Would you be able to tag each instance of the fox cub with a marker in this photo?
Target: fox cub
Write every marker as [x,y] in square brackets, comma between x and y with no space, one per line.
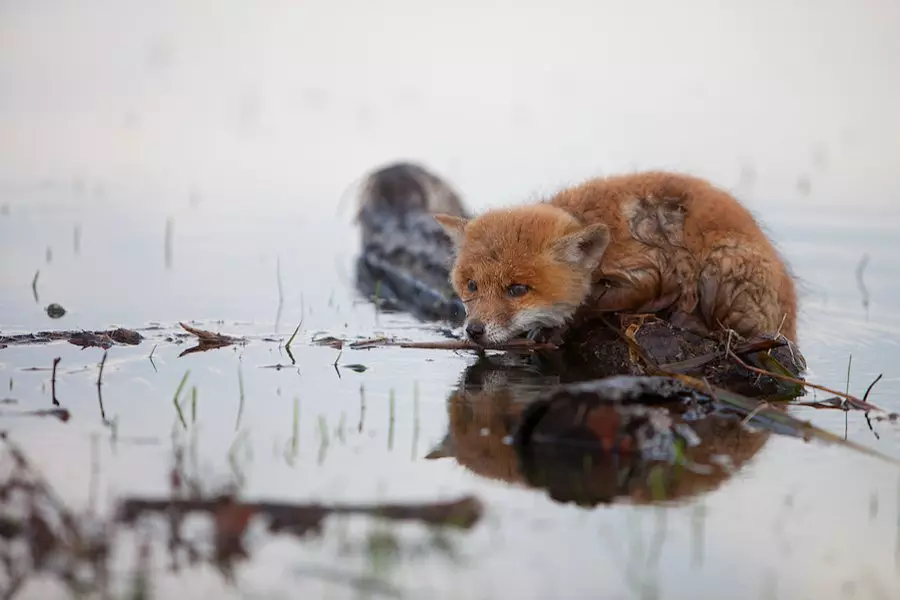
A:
[637,243]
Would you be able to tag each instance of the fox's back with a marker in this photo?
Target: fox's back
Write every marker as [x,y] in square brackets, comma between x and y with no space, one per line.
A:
[710,213]
[678,238]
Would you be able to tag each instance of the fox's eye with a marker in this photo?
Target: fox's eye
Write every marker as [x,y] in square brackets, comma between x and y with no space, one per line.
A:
[517,289]
[473,287]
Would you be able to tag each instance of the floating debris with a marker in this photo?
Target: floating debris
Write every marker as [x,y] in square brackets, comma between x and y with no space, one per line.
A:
[54,310]
[328,340]
[207,340]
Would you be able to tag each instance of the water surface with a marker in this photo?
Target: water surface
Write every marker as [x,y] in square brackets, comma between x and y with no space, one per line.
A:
[241,132]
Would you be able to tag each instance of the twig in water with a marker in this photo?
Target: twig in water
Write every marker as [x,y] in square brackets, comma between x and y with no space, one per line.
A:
[99,385]
[175,399]
[295,429]
[462,513]
[53,382]
[167,242]
[237,423]
[761,406]
[370,343]
[335,364]
[844,402]
[34,286]
[460,345]
[362,408]
[862,284]
[871,385]
[849,363]
[853,401]
[393,402]
[865,398]
[102,363]
[415,442]
[280,292]
[153,364]
[95,476]
[287,347]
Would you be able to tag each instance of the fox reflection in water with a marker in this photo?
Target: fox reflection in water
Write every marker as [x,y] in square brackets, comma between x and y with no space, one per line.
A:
[595,442]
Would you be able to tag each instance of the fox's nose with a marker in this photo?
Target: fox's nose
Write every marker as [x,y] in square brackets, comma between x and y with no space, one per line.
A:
[475,330]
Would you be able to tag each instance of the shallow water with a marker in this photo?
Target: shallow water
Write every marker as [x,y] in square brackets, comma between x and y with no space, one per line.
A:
[250,167]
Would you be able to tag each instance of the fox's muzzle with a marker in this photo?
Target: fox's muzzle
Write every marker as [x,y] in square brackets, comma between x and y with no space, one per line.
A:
[475,331]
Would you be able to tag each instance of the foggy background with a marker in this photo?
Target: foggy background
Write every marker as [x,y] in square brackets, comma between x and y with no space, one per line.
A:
[786,102]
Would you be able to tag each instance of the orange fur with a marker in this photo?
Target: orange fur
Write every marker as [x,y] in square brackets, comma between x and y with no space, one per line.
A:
[643,242]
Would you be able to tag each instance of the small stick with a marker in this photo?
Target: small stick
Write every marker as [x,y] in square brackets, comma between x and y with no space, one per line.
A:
[100,383]
[335,363]
[290,341]
[864,292]
[852,400]
[280,292]
[34,285]
[461,345]
[871,385]
[754,412]
[865,398]
[100,376]
[369,343]
[53,382]
[462,513]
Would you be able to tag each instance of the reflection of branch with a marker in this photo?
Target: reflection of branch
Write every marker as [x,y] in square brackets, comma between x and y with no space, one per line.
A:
[53,382]
[51,535]
[34,286]
[99,385]
[203,346]
[463,513]
[207,340]
[62,414]
[455,345]
[864,292]
[851,400]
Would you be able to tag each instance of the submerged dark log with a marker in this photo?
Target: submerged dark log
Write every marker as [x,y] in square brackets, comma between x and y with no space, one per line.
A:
[405,261]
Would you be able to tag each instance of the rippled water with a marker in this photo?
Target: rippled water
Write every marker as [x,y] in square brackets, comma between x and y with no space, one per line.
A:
[244,151]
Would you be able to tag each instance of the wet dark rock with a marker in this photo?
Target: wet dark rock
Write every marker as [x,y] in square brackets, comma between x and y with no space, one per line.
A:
[55,311]
[128,337]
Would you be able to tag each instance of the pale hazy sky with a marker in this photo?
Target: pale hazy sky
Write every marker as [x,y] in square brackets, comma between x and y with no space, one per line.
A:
[506,98]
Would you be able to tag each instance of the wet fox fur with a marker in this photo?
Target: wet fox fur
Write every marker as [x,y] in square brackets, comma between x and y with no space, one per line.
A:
[637,243]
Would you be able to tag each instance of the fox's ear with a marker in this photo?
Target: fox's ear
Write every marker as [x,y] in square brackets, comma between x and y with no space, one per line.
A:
[454,226]
[584,248]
